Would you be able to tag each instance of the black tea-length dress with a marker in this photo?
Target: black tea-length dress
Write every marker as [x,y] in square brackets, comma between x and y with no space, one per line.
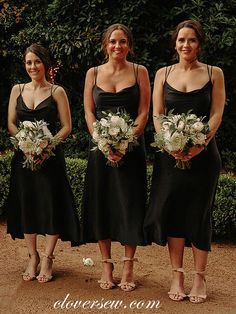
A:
[114,198]
[41,201]
[181,200]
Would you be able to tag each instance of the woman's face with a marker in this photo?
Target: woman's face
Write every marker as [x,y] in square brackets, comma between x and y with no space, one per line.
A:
[118,45]
[34,66]
[187,44]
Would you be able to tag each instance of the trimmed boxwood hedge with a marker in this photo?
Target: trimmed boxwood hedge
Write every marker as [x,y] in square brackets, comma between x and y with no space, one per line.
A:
[224,209]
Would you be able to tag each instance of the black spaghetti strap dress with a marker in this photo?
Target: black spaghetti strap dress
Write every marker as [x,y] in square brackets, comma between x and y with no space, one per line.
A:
[181,200]
[114,198]
[41,201]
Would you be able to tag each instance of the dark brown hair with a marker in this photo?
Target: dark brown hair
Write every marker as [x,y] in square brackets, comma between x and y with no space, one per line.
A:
[42,53]
[107,34]
[195,25]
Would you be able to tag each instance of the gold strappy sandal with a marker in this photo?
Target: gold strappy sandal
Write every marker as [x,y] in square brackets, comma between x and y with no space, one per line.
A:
[177,295]
[127,286]
[106,284]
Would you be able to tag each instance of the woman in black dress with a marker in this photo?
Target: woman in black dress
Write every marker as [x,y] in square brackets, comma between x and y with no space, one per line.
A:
[179,212]
[114,198]
[40,202]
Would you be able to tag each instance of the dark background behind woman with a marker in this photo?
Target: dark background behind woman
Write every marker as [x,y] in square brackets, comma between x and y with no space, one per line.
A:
[73,37]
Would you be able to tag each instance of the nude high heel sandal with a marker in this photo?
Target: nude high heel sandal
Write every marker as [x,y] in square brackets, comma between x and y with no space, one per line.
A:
[106,284]
[27,276]
[198,298]
[127,286]
[177,295]
[45,278]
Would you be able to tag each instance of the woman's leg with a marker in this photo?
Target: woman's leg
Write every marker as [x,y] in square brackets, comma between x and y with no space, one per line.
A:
[47,257]
[127,274]
[31,242]
[198,291]
[106,281]
[176,252]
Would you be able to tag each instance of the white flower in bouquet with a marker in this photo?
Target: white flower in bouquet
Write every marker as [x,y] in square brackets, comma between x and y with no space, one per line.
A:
[180,133]
[27,124]
[199,139]
[198,126]
[36,141]
[114,132]
[176,141]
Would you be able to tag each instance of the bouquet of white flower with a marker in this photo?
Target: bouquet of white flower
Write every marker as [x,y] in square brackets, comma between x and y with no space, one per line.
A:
[180,132]
[114,132]
[36,142]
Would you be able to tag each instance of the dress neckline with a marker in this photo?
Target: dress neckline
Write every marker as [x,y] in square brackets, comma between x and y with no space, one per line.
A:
[129,87]
[192,91]
[33,109]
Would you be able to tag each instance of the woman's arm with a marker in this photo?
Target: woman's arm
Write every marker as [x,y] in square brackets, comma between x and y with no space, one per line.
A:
[12,110]
[89,108]
[63,108]
[144,101]
[218,101]
[216,112]
[158,97]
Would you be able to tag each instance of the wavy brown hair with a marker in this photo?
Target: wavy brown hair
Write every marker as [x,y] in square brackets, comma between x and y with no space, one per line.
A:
[107,34]
[42,53]
[195,25]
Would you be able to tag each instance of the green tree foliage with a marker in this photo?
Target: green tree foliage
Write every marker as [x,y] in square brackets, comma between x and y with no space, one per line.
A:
[72,30]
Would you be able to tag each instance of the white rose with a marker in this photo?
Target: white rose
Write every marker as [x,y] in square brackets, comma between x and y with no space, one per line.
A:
[28,147]
[43,143]
[176,142]
[104,122]
[199,139]
[101,143]
[114,131]
[198,126]
[115,119]
[21,134]
[27,124]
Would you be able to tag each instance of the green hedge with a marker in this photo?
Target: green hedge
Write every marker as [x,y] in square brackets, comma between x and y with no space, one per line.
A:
[5,168]
[224,209]
[76,172]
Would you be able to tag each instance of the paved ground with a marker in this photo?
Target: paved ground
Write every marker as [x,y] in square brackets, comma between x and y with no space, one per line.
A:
[75,282]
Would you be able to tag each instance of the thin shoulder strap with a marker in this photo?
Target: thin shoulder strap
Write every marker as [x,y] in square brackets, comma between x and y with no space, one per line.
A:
[136,72]
[53,90]
[167,72]
[21,89]
[95,74]
[209,69]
